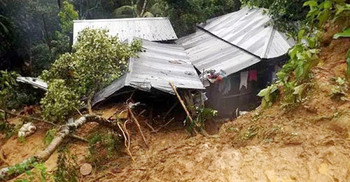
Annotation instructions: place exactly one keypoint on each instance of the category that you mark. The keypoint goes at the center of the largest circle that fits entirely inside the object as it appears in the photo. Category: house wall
(244, 99)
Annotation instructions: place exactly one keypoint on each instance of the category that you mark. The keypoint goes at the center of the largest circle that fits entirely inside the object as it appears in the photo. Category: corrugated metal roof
(235, 41)
(207, 52)
(35, 82)
(155, 68)
(251, 30)
(152, 29)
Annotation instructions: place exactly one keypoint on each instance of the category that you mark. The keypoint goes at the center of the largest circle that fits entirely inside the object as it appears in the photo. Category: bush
(12, 95)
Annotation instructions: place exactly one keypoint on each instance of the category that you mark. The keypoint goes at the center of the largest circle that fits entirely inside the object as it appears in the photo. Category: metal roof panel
(155, 67)
(152, 29)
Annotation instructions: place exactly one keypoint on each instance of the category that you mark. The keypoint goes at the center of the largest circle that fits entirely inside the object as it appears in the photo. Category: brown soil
(310, 143)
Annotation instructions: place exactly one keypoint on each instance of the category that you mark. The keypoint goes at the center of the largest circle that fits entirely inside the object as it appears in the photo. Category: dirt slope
(310, 143)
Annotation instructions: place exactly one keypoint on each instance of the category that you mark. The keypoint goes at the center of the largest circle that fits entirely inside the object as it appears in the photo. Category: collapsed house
(153, 70)
(160, 63)
(237, 55)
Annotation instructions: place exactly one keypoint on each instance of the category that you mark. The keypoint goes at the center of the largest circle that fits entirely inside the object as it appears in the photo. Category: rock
(85, 169)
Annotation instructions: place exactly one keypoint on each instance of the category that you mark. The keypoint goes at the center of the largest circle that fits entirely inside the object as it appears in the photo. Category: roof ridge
(207, 31)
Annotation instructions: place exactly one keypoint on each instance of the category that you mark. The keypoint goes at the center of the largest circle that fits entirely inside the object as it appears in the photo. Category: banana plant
(141, 8)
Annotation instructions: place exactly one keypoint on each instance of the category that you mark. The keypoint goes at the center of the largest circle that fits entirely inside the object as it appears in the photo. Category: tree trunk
(143, 8)
(59, 3)
(47, 36)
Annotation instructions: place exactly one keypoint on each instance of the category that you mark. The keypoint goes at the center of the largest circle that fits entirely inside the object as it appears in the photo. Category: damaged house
(160, 63)
(230, 58)
(237, 55)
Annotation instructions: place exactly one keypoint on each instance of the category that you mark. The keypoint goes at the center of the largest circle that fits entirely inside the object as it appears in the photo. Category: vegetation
(185, 14)
(287, 15)
(12, 95)
(67, 167)
(103, 146)
(36, 37)
(295, 75)
(200, 116)
(96, 60)
(145, 8)
(38, 173)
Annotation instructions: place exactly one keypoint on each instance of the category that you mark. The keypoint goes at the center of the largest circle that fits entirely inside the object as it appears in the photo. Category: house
(237, 55)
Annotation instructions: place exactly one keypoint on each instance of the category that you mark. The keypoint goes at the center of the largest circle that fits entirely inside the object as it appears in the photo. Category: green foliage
(67, 167)
(339, 89)
(67, 14)
(185, 14)
(49, 136)
(39, 170)
(319, 13)
(60, 101)
(346, 33)
(201, 115)
(348, 64)
(250, 133)
(7, 128)
(269, 95)
(142, 8)
(97, 60)
(12, 95)
(286, 15)
(8, 87)
(295, 75)
(103, 146)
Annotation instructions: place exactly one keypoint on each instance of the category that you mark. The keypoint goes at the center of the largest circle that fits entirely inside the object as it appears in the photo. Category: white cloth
(244, 80)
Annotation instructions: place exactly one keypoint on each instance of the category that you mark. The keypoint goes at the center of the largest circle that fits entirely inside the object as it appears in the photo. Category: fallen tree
(64, 131)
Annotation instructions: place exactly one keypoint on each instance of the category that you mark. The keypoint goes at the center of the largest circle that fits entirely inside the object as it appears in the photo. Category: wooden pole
(182, 104)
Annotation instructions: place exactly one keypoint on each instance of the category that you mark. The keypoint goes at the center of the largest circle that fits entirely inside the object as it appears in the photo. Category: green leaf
(301, 34)
(348, 64)
(345, 33)
(327, 5)
(311, 3)
(263, 92)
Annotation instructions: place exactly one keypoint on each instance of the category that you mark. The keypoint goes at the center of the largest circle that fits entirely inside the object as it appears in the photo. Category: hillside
(309, 143)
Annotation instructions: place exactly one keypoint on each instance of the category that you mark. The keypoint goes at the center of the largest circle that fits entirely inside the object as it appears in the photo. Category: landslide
(308, 143)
